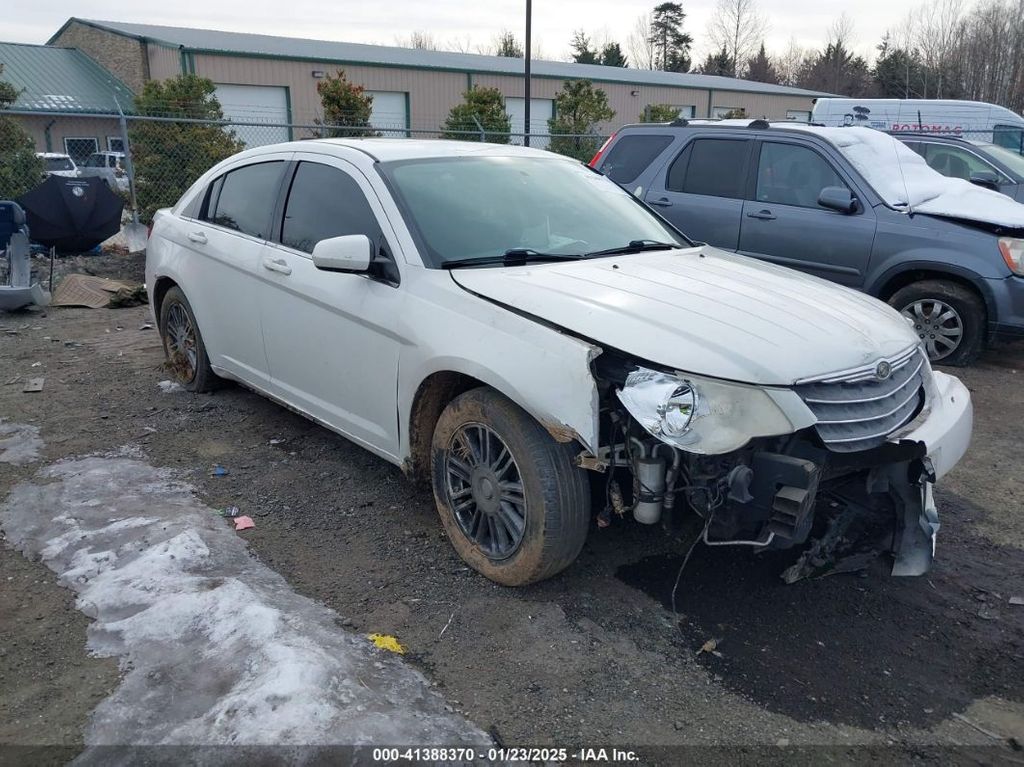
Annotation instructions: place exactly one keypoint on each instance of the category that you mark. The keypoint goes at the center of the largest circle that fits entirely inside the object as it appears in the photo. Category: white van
(973, 120)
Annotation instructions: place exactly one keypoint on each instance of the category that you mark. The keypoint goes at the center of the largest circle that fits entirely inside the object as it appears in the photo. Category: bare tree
(737, 27)
(937, 28)
(643, 53)
(418, 39)
(789, 63)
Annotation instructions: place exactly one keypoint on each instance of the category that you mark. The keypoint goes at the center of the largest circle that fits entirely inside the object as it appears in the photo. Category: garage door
(256, 104)
(389, 113)
(540, 112)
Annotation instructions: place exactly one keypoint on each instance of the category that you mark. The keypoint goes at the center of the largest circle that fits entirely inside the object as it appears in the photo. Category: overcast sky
(477, 21)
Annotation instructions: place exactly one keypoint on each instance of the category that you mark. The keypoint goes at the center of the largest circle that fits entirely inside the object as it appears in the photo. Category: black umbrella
(72, 214)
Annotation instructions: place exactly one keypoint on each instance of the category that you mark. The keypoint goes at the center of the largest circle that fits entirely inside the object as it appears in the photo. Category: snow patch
(902, 177)
(19, 443)
(215, 647)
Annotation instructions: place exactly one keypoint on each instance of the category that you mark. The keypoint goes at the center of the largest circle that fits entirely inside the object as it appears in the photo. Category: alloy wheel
(181, 342)
(485, 490)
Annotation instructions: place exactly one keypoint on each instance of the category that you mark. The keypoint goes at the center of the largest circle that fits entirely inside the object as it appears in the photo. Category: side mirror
(838, 198)
(348, 253)
(985, 178)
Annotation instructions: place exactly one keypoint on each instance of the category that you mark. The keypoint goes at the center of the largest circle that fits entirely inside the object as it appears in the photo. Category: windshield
(474, 207)
(1010, 159)
(96, 161)
(59, 163)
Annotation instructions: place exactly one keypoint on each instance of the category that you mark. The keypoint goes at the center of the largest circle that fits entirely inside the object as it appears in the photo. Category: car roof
(389, 149)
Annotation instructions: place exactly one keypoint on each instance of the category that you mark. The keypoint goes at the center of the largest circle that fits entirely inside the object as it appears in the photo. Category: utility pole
(527, 54)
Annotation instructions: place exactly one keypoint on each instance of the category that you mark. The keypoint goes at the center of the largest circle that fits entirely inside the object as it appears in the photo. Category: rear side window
(789, 174)
(325, 202)
(244, 199)
(711, 166)
(631, 155)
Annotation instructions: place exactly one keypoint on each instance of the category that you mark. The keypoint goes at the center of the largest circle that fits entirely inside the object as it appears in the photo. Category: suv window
(244, 199)
(1009, 136)
(956, 162)
(790, 174)
(325, 202)
(631, 155)
(710, 166)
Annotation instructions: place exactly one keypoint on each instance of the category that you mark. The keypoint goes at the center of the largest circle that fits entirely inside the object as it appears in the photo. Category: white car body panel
(705, 311)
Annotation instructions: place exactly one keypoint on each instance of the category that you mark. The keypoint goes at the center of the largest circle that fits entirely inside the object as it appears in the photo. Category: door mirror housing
(348, 253)
(985, 178)
(838, 198)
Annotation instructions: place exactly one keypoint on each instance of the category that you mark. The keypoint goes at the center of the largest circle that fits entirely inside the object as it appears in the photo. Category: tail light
(596, 159)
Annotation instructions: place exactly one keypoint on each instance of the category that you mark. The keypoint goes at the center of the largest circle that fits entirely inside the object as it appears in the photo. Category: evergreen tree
(671, 43)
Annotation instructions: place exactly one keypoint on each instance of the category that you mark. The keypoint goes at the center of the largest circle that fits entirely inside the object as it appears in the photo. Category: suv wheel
(514, 505)
(183, 344)
(947, 317)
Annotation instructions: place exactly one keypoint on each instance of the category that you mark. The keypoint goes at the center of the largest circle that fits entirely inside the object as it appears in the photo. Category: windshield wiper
(512, 257)
(635, 246)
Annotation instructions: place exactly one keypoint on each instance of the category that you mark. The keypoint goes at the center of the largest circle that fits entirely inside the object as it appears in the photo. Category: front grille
(857, 411)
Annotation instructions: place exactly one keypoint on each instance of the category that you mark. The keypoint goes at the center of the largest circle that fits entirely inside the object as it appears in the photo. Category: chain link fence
(158, 158)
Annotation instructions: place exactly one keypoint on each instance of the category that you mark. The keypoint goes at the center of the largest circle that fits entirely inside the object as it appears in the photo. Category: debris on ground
(96, 292)
(710, 646)
(387, 642)
(276, 441)
(1017, 600)
(218, 471)
(33, 385)
(170, 387)
(134, 295)
(244, 523)
(230, 511)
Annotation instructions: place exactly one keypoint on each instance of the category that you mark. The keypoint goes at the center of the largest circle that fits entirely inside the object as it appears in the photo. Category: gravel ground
(594, 656)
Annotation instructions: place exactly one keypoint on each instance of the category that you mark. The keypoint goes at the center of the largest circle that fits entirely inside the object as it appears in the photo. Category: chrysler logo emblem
(883, 371)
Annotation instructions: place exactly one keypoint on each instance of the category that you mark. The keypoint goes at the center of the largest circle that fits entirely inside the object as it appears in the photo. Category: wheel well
(163, 284)
(432, 397)
(901, 280)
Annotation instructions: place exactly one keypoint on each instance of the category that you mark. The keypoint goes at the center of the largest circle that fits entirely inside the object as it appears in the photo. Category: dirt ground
(594, 656)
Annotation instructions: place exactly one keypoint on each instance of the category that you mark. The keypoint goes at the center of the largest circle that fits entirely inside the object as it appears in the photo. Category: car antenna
(903, 178)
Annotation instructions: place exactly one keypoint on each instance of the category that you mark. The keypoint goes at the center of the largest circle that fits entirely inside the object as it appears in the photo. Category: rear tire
(948, 318)
(183, 344)
(511, 499)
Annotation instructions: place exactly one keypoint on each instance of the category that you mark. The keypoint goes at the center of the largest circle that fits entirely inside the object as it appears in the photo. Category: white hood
(903, 178)
(704, 311)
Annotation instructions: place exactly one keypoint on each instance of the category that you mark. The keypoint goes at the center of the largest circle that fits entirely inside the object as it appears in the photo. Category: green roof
(61, 79)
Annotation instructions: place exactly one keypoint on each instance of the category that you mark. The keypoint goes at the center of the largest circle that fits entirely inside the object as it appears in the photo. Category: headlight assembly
(702, 415)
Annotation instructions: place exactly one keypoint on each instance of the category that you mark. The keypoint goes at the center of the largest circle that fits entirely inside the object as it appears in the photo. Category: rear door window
(631, 155)
(325, 202)
(243, 199)
(790, 174)
(711, 166)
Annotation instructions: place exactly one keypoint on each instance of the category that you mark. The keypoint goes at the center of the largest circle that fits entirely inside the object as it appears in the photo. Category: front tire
(948, 318)
(183, 344)
(513, 503)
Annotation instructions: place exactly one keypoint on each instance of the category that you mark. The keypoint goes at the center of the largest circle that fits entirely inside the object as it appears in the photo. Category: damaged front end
(837, 465)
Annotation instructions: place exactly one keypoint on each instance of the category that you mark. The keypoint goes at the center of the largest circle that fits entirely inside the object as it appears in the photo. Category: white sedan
(518, 330)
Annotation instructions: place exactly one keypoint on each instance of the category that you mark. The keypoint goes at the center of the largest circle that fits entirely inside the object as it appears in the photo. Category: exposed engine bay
(846, 503)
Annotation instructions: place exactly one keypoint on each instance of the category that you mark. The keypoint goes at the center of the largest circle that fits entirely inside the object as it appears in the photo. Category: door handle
(197, 237)
(663, 202)
(763, 215)
(277, 265)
